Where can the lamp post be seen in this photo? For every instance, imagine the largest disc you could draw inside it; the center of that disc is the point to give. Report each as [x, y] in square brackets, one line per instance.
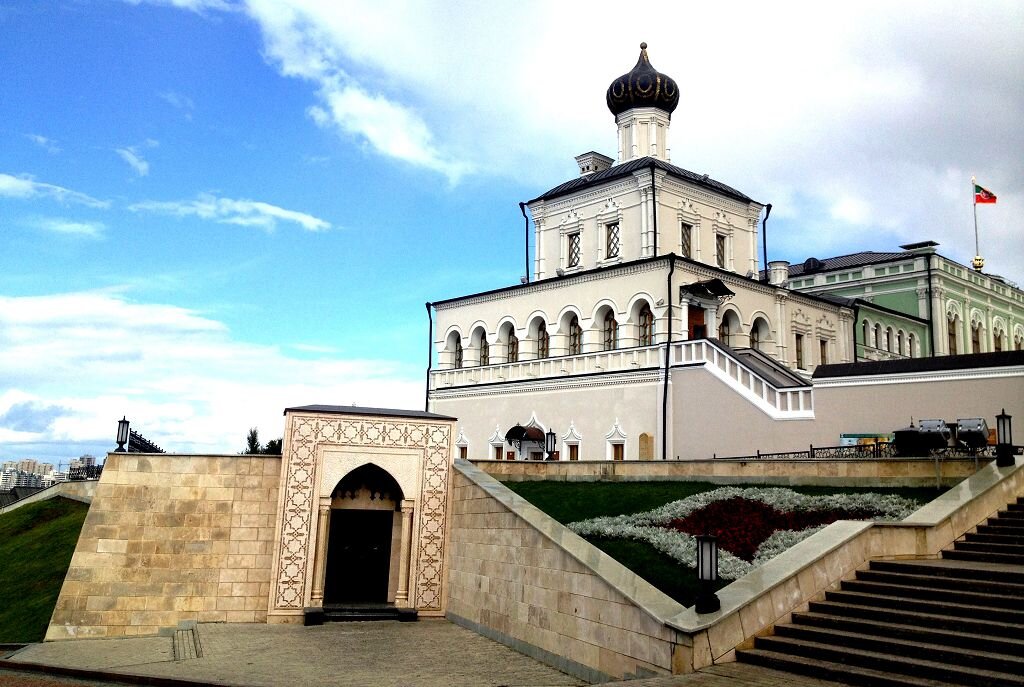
[1004, 440]
[707, 573]
[122, 434]
[549, 443]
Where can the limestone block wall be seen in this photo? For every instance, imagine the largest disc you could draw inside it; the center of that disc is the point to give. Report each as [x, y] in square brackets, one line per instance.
[521, 578]
[170, 538]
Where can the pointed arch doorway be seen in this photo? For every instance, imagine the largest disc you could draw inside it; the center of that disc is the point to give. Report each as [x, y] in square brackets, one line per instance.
[364, 541]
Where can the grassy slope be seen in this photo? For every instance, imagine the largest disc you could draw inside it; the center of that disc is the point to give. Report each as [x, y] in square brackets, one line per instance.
[570, 501]
[36, 543]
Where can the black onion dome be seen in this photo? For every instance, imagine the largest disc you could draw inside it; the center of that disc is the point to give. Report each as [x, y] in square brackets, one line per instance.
[643, 86]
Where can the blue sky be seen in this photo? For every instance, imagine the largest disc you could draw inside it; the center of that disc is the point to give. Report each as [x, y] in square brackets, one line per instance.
[212, 210]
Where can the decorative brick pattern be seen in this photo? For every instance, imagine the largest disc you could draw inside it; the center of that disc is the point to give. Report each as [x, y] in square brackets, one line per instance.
[170, 538]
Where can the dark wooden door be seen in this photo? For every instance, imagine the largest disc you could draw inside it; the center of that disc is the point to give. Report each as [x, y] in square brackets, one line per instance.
[358, 556]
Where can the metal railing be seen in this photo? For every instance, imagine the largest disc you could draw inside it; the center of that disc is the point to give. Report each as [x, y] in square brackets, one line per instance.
[875, 451]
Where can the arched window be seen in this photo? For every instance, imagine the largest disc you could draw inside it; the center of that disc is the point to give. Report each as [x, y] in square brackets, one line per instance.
[878, 336]
[513, 348]
[458, 352]
[759, 334]
[866, 332]
[911, 342]
[975, 337]
[610, 331]
[543, 341]
[485, 351]
[646, 326]
[888, 338]
[899, 342]
[575, 336]
[723, 331]
[952, 324]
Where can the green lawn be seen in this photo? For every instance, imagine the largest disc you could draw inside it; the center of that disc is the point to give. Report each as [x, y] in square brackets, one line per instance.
[571, 501]
[36, 543]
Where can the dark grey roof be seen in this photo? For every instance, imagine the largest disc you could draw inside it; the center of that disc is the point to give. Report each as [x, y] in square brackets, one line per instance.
[905, 365]
[360, 410]
[841, 262]
[627, 169]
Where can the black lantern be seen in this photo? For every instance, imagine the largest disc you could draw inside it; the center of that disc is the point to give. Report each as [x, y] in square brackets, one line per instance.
[707, 573]
[549, 443]
[1004, 440]
[122, 435]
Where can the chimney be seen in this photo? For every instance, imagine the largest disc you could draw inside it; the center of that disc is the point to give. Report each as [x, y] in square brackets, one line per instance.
[592, 162]
[778, 272]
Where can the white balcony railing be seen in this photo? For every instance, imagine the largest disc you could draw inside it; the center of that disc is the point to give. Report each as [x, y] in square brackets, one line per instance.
[781, 403]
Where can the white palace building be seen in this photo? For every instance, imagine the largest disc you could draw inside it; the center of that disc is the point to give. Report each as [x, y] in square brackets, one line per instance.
[650, 332]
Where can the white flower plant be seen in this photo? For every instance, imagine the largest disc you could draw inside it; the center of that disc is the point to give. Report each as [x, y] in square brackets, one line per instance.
[651, 526]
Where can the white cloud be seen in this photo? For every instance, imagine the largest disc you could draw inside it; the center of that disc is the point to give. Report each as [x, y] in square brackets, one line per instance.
[59, 225]
[47, 144]
[179, 376]
[134, 160]
[25, 187]
[198, 6]
[179, 102]
[229, 211]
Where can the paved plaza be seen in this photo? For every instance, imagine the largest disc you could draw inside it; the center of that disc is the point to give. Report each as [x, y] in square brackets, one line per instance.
[427, 653]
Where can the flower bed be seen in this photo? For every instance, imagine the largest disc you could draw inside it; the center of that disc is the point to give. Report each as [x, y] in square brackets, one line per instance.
[753, 525]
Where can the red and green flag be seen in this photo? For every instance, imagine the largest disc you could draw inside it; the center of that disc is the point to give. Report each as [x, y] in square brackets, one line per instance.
[983, 195]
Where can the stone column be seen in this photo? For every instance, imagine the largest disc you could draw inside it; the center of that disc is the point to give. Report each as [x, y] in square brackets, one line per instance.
[320, 556]
[405, 561]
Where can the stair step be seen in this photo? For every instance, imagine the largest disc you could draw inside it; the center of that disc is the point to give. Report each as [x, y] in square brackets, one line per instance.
[965, 595]
[986, 556]
[926, 651]
[367, 612]
[999, 528]
[1012, 523]
[928, 606]
[906, 616]
[995, 538]
[905, 665]
[829, 670]
[1015, 506]
[938, 582]
[989, 547]
[965, 570]
[1011, 514]
[960, 637]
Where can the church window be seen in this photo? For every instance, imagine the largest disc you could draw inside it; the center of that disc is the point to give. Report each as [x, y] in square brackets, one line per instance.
[574, 250]
[823, 351]
[888, 338]
[458, 352]
[1018, 343]
[513, 348]
[574, 451]
[951, 326]
[497, 452]
[799, 351]
[463, 452]
[611, 331]
[485, 352]
[720, 249]
[685, 239]
[618, 451]
[646, 326]
[543, 341]
[899, 342]
[878, 336]
[612, 240]
[575, 336]
[975, 338]
[911, 341]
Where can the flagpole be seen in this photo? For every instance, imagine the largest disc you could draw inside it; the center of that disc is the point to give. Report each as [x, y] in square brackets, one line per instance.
[977, 262]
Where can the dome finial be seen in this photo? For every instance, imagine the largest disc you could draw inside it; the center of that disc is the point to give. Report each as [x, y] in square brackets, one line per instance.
[644, 86]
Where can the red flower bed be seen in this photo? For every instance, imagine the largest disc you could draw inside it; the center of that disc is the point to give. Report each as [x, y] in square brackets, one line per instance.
[741, 524]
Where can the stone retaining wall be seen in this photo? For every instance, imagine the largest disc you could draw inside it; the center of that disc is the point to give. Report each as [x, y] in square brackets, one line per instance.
[521, 578]
[170, 538]
[910, 472]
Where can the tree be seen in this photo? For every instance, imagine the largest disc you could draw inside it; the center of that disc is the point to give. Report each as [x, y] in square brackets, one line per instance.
[252, 442]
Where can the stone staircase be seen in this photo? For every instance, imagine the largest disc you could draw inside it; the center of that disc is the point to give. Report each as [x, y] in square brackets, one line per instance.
[957, 620]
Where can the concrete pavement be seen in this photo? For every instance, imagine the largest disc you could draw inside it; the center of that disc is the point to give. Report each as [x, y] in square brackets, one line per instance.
[428, 653]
